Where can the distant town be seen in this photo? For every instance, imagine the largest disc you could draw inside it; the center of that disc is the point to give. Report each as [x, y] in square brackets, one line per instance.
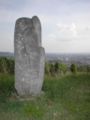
[79, 59]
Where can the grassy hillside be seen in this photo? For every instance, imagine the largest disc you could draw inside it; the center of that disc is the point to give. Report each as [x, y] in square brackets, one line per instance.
[65, 98]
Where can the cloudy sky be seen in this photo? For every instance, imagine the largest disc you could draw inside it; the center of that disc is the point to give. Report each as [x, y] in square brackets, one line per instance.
[65, 23]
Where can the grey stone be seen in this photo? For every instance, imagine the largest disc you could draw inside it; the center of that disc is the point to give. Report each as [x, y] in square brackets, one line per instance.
[29, 56]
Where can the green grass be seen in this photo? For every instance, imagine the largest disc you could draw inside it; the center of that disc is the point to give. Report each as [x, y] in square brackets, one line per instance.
[64, 98]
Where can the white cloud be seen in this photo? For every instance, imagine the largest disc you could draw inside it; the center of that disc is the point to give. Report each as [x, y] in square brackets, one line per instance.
[67, 29]
[73, 31]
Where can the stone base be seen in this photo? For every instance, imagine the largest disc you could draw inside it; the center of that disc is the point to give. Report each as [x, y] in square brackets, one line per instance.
[28, 98]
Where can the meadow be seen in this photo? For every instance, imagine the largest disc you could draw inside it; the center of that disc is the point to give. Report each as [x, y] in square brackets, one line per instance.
[64, 97]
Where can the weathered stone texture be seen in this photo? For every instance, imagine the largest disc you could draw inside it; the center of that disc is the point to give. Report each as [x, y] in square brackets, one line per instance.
[29, 56]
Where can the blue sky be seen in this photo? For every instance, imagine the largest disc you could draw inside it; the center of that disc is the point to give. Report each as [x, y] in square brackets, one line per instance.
[65, 23]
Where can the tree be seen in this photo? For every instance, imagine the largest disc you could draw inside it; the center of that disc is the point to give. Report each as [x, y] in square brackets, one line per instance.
[52, 70]
[88, 69]
[47, 68]
[73, 68]
[63, 68]
[6, 65]
[3, 65]
[56, 67]
[10, 64]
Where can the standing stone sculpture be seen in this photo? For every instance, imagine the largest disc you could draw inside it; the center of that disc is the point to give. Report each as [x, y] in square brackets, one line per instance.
[29, 56]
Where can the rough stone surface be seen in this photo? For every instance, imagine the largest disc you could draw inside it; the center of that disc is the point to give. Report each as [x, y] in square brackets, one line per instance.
[29, 56]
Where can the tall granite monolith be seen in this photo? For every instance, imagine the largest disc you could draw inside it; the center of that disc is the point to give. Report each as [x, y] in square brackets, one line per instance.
[29, 56]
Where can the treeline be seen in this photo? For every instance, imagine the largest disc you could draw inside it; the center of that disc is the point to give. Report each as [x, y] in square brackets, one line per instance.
[61, 68]
[7, 66]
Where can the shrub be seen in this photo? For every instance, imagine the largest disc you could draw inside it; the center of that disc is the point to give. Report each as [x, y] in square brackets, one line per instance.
[47, 68]
[6, 65]
[11, 65]
[63, 68]
[56, 67]
[73, 68]
[88, 69]
[3, 65]
[52, 70]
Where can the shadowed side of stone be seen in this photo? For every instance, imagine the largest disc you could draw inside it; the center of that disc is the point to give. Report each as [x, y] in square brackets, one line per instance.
[29, 56]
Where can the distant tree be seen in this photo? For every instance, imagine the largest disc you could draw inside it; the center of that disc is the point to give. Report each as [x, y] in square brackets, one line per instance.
[56, 67]
[3, 65]
[47, 68]
[73, 68]
[52, 70]
[88, 68]
[11, 64]
[63, 68]
[82, 68]
[6, 65]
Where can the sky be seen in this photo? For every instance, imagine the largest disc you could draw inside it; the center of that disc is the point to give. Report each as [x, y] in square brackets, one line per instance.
[65, 23]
